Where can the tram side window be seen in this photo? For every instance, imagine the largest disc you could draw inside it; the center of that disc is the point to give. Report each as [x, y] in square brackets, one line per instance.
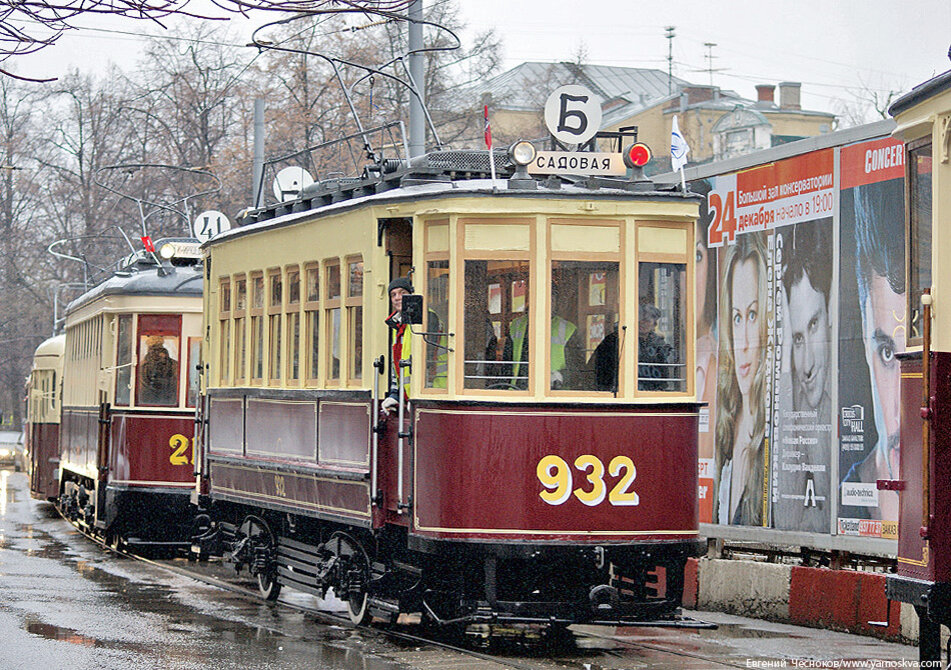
[496, 324]
[159, 355]
[194, 361]
[124, 360]
[584, 325]
[661, 327]
[224, 320]
[919, 170]
[333, 320]
[240, 341]
[274, 308]
[437, 316]
[312, 321]
[293, 325]
[355, 316]
[257, 328]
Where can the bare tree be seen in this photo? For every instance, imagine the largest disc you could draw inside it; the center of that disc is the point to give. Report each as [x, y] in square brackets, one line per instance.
[26, 27]
[25, 324]
[88, 126]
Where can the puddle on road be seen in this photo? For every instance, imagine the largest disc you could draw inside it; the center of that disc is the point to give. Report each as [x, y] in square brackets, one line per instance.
[48, 631]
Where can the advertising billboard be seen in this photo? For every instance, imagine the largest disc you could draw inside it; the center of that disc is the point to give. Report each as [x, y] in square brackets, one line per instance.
[800, 312]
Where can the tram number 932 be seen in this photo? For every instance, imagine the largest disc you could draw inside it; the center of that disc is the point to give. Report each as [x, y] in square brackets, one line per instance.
[556, 476]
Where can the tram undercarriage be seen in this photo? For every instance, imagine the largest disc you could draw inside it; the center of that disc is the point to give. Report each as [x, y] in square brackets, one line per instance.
[451, 583]
[134, 517]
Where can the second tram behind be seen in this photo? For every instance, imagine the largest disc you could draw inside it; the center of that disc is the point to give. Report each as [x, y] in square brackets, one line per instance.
[130, 389]
[541, 464]
[44, 390]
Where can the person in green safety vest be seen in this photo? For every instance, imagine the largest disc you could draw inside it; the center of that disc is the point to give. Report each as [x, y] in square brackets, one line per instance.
[437, 352]
[563, 351]
[437, 356]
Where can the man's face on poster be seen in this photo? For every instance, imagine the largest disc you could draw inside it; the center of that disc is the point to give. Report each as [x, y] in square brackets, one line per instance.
[884, 336]
[809, 323]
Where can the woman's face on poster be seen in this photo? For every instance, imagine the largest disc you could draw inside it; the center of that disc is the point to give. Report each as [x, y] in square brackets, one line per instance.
[744, 310]
[702, 268]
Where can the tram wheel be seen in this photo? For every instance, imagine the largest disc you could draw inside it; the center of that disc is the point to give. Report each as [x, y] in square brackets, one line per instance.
[353, 577]
[263, 542]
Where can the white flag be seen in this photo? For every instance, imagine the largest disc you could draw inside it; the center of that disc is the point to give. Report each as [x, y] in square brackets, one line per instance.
[678, 147]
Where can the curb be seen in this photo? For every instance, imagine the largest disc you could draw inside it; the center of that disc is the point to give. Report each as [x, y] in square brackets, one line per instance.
[842, 600]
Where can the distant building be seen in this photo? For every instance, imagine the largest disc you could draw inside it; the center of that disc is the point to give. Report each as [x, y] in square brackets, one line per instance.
[516, 98]
[716, 123]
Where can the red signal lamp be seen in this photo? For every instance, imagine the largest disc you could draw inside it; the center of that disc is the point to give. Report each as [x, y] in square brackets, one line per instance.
[637, 155]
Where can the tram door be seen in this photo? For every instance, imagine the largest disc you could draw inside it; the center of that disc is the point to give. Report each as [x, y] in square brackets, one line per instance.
[399, 251]
[102, 453]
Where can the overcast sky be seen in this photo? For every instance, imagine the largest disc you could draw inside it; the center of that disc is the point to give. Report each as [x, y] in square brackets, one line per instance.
[835, 48]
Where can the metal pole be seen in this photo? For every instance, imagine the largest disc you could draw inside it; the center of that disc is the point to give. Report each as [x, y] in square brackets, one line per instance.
[258, 161]
[417, 116]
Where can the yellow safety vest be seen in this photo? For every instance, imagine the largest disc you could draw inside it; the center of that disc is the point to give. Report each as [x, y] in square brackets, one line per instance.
[442, 357]
[561, 332]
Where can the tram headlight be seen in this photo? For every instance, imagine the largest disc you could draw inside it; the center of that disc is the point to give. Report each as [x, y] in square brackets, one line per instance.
[167, 251]
[522, 152]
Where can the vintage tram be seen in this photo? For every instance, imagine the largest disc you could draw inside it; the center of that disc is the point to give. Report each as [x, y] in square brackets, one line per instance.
[44, 388]
[541, 464]
[923, 576]
[130, 389]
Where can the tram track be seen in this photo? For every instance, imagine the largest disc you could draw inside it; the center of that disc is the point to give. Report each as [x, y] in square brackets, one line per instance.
[558, 659]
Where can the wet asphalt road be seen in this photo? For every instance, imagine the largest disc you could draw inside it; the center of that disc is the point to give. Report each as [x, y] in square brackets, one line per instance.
[67, 603]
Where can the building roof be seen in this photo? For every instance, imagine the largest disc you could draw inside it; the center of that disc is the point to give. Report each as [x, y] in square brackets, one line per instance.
[526, 86]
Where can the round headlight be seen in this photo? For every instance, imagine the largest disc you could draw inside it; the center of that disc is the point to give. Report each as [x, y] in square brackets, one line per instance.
[522, 152]
[167, 251]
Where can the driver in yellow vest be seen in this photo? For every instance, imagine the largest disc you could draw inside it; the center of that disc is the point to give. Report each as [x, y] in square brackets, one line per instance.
[397, 289]
[401, 346]
[562, 351]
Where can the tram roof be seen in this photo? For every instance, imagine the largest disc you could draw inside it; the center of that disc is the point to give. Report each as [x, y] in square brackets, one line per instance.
[150, 280]
[54, 346]
[921, 92]
[306, 207]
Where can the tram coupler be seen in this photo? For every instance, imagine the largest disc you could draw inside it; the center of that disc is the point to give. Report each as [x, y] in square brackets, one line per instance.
[205, 539]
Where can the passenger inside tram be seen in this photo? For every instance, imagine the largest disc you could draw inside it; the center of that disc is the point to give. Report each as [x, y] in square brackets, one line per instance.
[158, 376]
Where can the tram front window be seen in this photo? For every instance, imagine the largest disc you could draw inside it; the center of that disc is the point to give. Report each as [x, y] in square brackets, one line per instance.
[497, 355]
[583, 348]
[919, 238]
[662, 318]
[158, 369]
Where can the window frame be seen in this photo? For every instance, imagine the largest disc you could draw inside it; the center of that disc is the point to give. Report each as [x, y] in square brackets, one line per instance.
[260, 333]
[225, 329]
[581, 257]
[240, 318]
[912, 298]
[351, 304]
[463, 255]
[429, 256]
[329, 305]
[275, 326]
[310, 307]
[293, 308]
[688, 259]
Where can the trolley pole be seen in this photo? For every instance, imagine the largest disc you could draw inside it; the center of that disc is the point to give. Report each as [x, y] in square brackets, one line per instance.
[417, 73]
[257, 169]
